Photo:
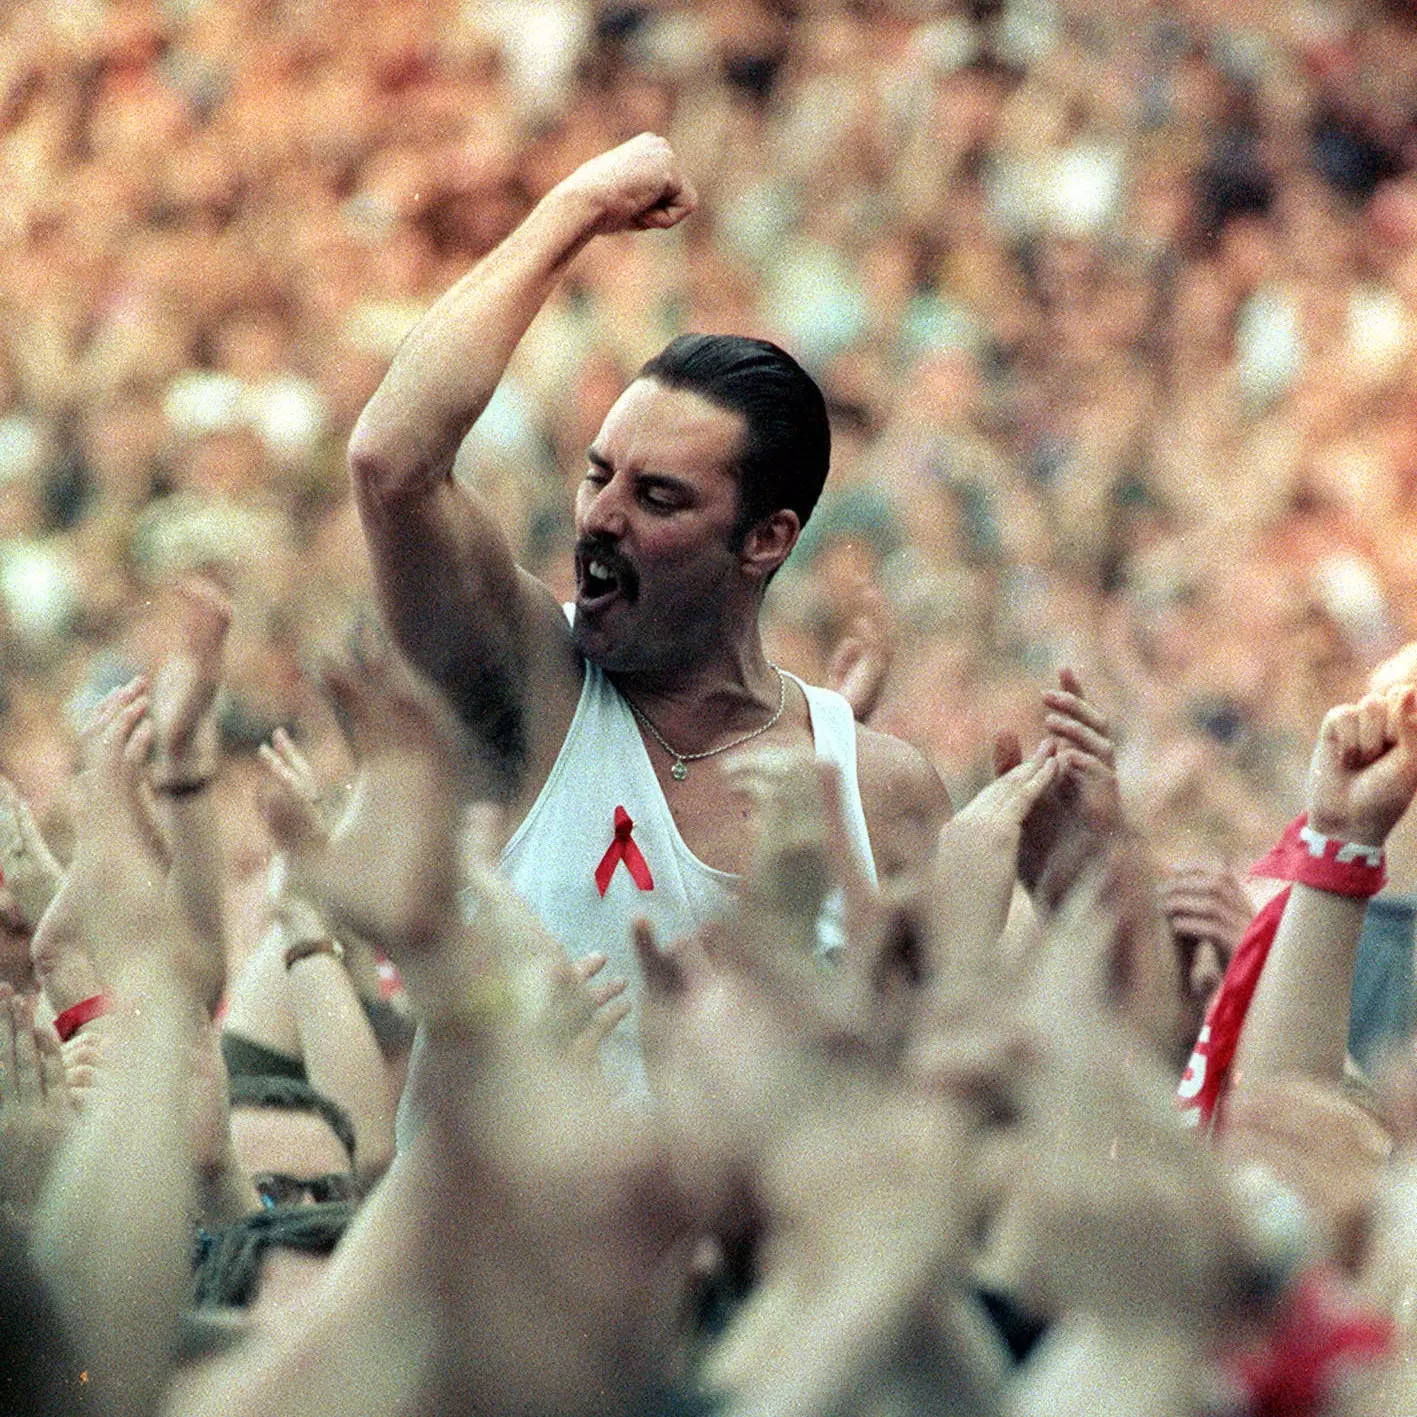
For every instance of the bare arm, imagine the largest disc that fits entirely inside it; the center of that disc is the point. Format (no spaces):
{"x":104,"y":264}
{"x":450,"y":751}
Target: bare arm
{"x":904,"y":800}
{"x":342,"y":1057}
{"x":446,"y":580}
{"x":1361,"y":779}
{"x":113,"y":1234}
{"x":186,"y":743}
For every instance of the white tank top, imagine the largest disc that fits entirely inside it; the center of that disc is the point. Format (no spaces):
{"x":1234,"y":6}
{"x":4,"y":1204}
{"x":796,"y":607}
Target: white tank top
{"x":551,"y":858}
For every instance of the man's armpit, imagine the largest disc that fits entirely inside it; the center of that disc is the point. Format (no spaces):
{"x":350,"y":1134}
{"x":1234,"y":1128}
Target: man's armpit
{"x":488,"y":702}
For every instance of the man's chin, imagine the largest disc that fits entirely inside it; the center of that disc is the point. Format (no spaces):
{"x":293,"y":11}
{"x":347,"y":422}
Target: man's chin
{"x":592,"y":642}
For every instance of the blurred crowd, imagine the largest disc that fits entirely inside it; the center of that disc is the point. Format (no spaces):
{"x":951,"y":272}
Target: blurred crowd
{"x":1115,"y":310}
{"x":1113,"y":305}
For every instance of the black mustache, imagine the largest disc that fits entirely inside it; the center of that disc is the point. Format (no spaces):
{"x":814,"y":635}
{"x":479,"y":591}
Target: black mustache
{"x":596,"y":548}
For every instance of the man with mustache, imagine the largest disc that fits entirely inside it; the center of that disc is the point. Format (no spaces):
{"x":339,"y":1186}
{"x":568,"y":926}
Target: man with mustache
{"x":610,"y":735}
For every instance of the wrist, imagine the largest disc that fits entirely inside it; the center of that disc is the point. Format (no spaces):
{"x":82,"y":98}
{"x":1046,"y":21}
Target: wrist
{"x":572,"y":214}
{"x":72,"y":1019}
{"x":1347,"y":832}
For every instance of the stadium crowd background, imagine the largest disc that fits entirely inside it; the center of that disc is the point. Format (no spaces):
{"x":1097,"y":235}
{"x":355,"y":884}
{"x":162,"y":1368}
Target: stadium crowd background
{"x":1115,"y":306}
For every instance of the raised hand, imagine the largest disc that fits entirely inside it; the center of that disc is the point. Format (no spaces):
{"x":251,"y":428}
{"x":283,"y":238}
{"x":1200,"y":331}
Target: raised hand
{"x":1362,"y":777}
{"x":291,"y":771}
{"x":185,"y":687}
{"x":861,"y":661}
{"x":35,"y":1109}
{"x":389,"y":870}
{"x":30,"y":872}
{"x":566,"y":1009}
{"x":864,"y":1202}
{"x":977,"y":862}
{"x":120,"y":880}
{"x":68,"y":949}
{"x":634,"y":187}
{"x":1363,"y":772}
{"x":1082,"y":808}
{"x":1207,"y":911}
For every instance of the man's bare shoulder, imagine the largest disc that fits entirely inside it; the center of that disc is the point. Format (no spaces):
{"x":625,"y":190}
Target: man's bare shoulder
{"x":904,"y":799}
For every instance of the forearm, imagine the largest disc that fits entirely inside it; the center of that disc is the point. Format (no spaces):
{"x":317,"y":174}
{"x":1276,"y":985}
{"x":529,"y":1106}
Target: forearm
{"x":114,"y":1231}
{"x":1298,"y":1019}
{"x":194,"y":879}
{"x":342,"y":1057}
{"x":451,"y":363}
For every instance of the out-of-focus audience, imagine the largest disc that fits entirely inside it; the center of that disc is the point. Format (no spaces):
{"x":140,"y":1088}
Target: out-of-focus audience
{"x":1115,"y":309}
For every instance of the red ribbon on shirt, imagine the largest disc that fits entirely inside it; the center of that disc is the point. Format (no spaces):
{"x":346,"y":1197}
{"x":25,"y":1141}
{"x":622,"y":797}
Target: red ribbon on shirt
{"x":623,"y":848}
{"x":1302,"y":855}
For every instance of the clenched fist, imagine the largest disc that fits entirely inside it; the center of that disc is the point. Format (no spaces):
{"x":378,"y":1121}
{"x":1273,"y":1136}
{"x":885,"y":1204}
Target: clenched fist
{"x":636,"y":187}
{"x":1364,"y":770}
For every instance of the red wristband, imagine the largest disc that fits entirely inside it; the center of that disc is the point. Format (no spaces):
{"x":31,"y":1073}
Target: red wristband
{"x":1323,"y":862}
{"x":67,"y":1024}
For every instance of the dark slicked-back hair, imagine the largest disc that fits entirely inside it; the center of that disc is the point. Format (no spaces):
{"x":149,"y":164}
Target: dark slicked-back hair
{"x":788,"y":443}
{"x":292,"y":1095}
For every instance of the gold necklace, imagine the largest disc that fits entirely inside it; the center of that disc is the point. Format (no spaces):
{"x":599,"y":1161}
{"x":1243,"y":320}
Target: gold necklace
{"x":680,"y":770}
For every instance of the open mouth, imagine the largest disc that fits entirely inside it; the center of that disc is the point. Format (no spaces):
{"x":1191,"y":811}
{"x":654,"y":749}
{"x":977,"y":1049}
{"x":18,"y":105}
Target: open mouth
{"x":602,"y":577}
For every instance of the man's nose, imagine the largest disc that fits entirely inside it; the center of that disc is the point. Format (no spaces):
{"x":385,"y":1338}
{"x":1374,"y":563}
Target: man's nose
{"x":603,"y":513}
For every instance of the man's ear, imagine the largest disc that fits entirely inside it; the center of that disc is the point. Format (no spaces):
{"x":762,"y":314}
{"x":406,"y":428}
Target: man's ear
{"x":768,"y":544}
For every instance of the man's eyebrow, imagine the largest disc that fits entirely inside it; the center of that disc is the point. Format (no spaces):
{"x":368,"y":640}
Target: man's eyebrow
{"x":598,"y":459}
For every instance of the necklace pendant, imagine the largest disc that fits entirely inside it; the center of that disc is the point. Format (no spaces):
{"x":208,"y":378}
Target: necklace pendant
{"x":679,"y":771}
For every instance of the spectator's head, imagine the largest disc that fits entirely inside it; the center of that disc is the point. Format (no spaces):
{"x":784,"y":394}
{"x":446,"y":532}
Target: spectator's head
{"x":787,"y":439}
{"x":293,"y":1141}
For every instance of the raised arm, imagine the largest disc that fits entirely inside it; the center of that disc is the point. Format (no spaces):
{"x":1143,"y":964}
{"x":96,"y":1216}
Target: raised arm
{"x":1361,"y":779}
{"x":489,"y":637}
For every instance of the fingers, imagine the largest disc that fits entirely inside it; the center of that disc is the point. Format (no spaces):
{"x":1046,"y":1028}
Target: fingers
{"x":118,"y":731}
{"x":1402,"y":716}
{"x":52,"y":1079}
{"x":295,"y":762}
{"x":1372,"y":727}
{"x":1086,"y":767}
{"x":92,"y":734}
{"x":606,"y":1021}
{"x":1077,"y":722}
{"x":1027,"y":783}
{"x":1360,"y":733}
{"x":589,"y":965}
{"x":602,"y":994}
{"x":663,"y":974}
{"x":1194,"y":887}
{"x":277,"y":766}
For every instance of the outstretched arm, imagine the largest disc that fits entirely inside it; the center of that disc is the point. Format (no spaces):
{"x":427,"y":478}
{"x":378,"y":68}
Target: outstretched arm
{"x":487,"y":636}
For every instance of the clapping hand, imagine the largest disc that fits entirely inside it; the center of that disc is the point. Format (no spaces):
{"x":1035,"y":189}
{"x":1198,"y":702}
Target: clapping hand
{"x":35,"y":1107}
